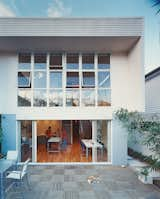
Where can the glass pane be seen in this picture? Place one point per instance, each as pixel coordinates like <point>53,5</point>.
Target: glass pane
<point>40,61</point>
<point>104,97</point>
<point>72,79</point>
<point>56,61</point>
<point>55,79</point>
<point>72,61</point>
<point>40,98</point>
<point>72,97</point>
<point>104,79</point>
<point>88,97</point>
<point>24,60</point>
<point>56,98</point>
<point>24,97</point>
<point>103,61</point>
<point>88,79</point>
<point>88,61</point>
<point>40,79</point>
<point>104,140</point>
<point>24,80</point>
<point>26,140</point>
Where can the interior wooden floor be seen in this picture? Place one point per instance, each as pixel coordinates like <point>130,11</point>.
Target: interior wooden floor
<point>73,153</point>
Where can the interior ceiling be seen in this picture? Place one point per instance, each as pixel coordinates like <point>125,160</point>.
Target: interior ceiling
<point>71,44</point>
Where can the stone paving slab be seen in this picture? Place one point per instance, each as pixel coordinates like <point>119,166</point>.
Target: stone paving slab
<point>71,182</point>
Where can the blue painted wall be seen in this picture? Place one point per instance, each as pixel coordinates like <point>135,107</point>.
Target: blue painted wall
<point>9,132</point>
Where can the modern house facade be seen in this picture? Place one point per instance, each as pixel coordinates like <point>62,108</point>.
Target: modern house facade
<point>69,75</point>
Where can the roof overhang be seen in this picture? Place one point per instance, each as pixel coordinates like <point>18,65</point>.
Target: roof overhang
<point>71,44</point>
<point>70,34</point>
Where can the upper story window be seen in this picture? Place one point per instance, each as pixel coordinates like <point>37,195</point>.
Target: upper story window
<point>103,61</point>
<point>88,61</point>
<point>72,80</point>
<point>40,61</point>
<point>72,61</point>
<point>24,61</point>
<point>24,80</point>
<point>88,80</point>
<point>55,62</point>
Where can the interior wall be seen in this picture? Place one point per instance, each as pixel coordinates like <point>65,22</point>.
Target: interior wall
<point>42,126</point>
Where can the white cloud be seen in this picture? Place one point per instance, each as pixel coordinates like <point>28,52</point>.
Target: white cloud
<point>5,11</point>
<point>57,9</point>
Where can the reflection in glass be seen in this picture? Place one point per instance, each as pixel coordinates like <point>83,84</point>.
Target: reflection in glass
<point>24,97</point>
<point>72,79</point>
<point>88,79</point>
<point>88,61</point>
<point>55,98</point>
<point>24,80</point>
<point>104,97</point>
<point>72,61</point>
<point>26,140</point>
<point>55,79</point>
<point>39,79</point>
<point>39,98</point>
<point>104,139</point>
<point>40,61</point>
<point>88,97</point>
<point>72,97</point>
<point>103,79</point>
<point>103,61</point>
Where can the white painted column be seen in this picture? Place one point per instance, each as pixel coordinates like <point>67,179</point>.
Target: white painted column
<point>48,78</point>
<point>94,138</point>
<point>64,60</point>
<point>34,141</point>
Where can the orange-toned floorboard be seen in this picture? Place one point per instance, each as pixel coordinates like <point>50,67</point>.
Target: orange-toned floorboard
<point>73,153</point>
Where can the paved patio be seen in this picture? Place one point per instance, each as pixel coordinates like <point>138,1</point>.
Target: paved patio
<point>70,182</point>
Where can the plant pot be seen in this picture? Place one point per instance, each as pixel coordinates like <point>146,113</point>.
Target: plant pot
<point>145,179</point>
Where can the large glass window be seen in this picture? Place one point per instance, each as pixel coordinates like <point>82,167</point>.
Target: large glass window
<point>104,97</point>
<point>72,97</point>
<point>104,79</point>
<point>40,61</point>
<point>88,80</point>
<point>55,98</point>
<point>72,61</point>
<point>24,97</point>
<point>55,79</point>
<point>88,97</point>
<point>24,61</point>
<point>88,61</point>
<point>72,79</point>
<point>40,97</point>
<point>40,79</point>
<point>103,61</point>
<point>24,80</point>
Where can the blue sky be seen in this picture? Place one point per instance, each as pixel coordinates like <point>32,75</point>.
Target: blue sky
<point>94,8</point>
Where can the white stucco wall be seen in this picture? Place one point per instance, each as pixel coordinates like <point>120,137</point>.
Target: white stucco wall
<point>8,96</point>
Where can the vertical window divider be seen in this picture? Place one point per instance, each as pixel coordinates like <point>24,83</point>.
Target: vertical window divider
<point>80,79</point>
<point>96,78</point>
<point>64,78</point>
<point>47,78</point>
<point>32,78</point>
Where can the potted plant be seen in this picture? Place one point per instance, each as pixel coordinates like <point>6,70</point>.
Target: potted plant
<point>144,176</point>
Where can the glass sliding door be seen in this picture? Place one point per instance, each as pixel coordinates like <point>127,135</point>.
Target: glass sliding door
<point>26,139</point>
<point>101,139</point>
